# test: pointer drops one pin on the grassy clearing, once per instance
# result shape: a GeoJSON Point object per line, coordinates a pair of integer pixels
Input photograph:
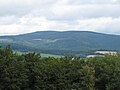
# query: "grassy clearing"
{"type": "Point", "coordinates": [42, 55]}
{"type": "Point", "coordinates": [50, 55]}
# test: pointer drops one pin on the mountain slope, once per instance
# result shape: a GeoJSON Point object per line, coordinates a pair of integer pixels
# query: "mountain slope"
{"type": "Point", "coordinates": [69, 40]}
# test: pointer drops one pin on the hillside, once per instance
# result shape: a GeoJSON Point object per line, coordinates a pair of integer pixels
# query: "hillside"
{"type": "Point", "coordinates": [53, 41]}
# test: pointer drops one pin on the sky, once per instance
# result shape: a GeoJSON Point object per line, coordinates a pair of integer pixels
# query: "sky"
{"type": "Point", "coordinates": [25, 16]}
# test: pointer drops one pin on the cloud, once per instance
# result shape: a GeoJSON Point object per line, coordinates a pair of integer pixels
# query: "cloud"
{"type": "Point", "coordinates": [69, 12]}
{"type": "Point", "coordinates": [93, 1]}
{"type": "Point", "coordinates": [103, 24]}
{"type": "Point", "coordinates": [23, 7]}
{"type": "Point", "coordinates": [6, 20]}
{"type": "Point", "coordinates": [23, 16]}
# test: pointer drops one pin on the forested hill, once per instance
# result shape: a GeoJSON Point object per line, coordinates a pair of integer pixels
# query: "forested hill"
{"type": "Point", "coordinates": [68, 40]}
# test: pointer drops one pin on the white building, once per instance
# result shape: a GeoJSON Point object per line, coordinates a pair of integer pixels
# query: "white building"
{"type": "Point", "coordinates": [92, 56]}
{"type": "Point", "coordinates": [106, 52]}
{"type": "Point", "coordinates": [102, 54]}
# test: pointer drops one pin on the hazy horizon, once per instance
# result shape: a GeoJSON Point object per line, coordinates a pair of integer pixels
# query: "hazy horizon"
{"type": "Point", "coordinates": [26, 16]}
{"type": "Point", "coordinates": [59, 31]}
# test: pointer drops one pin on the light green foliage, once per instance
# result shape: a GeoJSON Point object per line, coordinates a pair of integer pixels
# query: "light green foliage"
{"type": "Point", "coordinates": [88, 77]}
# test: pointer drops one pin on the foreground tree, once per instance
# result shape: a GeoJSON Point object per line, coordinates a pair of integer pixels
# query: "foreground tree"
{"type": "Point", "coordinates": [31, 72]}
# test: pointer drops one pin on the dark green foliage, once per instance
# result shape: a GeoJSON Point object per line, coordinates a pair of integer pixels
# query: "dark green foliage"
{"type": "Point", "coordinates": [107, 72]}
{"type": "Point", "coordinates": [31, 72]}
{"type": "Point", "coordinates": [12, 72]}
{"type": "Point", "coordinates": [31, 57]}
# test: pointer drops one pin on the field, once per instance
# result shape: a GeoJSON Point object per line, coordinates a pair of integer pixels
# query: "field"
{"type": "Point", "coordinates": [42, 54]}
{"type": "Point", "coordinates": [50, 55]}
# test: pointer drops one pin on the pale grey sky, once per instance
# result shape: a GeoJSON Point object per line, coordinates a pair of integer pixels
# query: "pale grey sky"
{"type": "Point", "coordinates": [23, 16]}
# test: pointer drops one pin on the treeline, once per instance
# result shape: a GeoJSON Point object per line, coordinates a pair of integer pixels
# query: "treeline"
{"type": "Point", "coordinates": [24, 48]}
{"type": "Point", "coordinates": [32, 72]}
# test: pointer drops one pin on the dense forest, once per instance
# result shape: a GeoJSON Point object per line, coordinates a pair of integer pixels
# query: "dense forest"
{"type": "Point", "coordinates": [32, 72]}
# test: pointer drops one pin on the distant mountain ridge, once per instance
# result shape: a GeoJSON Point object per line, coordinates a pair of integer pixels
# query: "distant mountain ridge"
{"type": "Point", "coordinates": [67, 40]}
